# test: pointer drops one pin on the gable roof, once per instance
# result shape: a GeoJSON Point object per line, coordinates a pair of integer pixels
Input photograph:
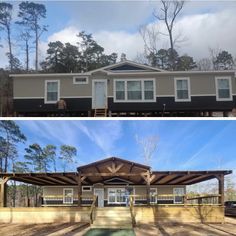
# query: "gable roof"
{"type": "Point", "coordinates": [126, 66]}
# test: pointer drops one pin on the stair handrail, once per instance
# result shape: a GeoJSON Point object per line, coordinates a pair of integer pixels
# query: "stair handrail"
{"type": "Point", "coordinates": [92, 209]}
{"type": "Point", "coordinates": [131, 206]}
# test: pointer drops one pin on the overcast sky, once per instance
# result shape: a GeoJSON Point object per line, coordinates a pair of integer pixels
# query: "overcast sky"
{"type": "Point", "coordinates": [115, 25]}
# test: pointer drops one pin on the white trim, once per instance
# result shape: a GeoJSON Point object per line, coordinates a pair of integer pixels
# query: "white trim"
{"type": "Point", "coordinates": [126, 62]}
{"type": "Point", "coordinates": [142, 90]}
{"type": "Point", "coordinates": [175, 88]}
{"type": "Point", "coordinates": [217, 88]}
{"type": "Point", "coordinates": [76, 96]}
{"type": "Point", "coordinates": [72, 198]}
{"type": "Point", "coordinates": [102, 196]}
{"type": "Point", "coordinates": [45, 91]}
{"type": "Point", "coordinates": [80, 76]}
{"type": "Point", "coordinates": [155, 195]}
{"type": "Point", "coordinates": [203, 95]}
{"type": "Point", "coordinates": [174, 200]}
{"type": "Point", "coordinates": [28, 97]}
{"type": "Point", "coordinates": [108, 202]}
{"type": "Point", "coordinates": [90, 189]}
{"type": "Point", "coordinates": [93, 92]}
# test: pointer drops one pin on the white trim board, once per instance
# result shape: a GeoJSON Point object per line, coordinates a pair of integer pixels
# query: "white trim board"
{"type": "Point", "coordinates": [217, 88]}
{"type": "Point", "coordinates": [45, 91]}
{"type": "Point", "coordinates": [142, 90]}
{"type": "Point", "coordinates": [189, 89]}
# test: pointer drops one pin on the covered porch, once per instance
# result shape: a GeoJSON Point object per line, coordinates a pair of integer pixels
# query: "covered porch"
{"type": "Point", "coordinates": [118, 182]}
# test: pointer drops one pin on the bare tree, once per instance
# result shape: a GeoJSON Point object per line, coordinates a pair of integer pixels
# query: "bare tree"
{"type": "Point", "coordinates": [148, 146]}
{"type": "Point", "coordinates": [150, 35]}
{"type": "Point", "coordinates": [204, 64]}
{"type": "Point", "coordinates": [213, 55]}
{"type": "Point", "coordinates": [169, 13]}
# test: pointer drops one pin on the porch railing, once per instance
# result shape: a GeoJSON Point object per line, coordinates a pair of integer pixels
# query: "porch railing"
{"type": "Point", "coordinates": [160, 199]}
{"type": "Point", "coordinates": [92, 209]}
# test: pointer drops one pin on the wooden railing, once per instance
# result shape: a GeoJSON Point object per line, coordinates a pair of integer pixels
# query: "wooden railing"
{"type": "Point", "coordinates": [212, 199]}
{"type": "Point", "coordinates": [92, 209]}
{"type": "Point", "coordinates": [131, 205]}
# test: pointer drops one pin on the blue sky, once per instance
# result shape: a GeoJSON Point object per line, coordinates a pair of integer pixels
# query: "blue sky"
{"type": "Point", "coordinates": [182, 145]}
{"type": "Point", "coordinates": [115, 25]}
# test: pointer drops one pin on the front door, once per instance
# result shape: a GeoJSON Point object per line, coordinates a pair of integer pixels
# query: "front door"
{"type": "Point", "coordinates": [99, 192]}
{"type": "Point", "coordinates": [99, 94]}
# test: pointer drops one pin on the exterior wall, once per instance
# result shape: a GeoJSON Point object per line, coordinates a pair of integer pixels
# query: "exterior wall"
{"type": "Point", "coordinates": [57, 192]}
{"type": "Point", "coordinates": [187, 214]}
{"type": "Point", "coordinates": [33, 215]}
{"type": "Point", "coordinates": [29, 93]}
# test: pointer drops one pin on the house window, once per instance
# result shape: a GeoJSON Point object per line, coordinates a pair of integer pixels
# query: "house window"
{"type": "Point", "coordinates": [52, 88]}
{"type": "Point", "coordinates": [182, 89]}
{"type": "Point", "coordinates": [86, 188]}
{"type": "Point", "coordinates": [68, 195]}
{"type": "Point", "coordinates": [148, 90]}
{"type": "Point", "coordinates": [120, 90]}
{"type": "Point", "coordinates": [223, 87]}
{"type": "Point", "coordinates": [133, 90]}
{"type": "Point", "coordinates": [178, 195]}
{"type": "Point", "coordinates": [80, 80]}
{"type": "Point", "coordinates": [153, 195]}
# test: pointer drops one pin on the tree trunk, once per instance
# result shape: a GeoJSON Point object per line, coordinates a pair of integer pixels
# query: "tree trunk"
{"type": "Point", "coordinates": [171, 49]}
{"type": "Point", "coordinates": [36, 49]}
{"type": "Point", "coordinates": [10, 47]}
{"type": "Point", "coordinates": [27, 54]}
{"type": "Point", "coordinates": [14, 194]}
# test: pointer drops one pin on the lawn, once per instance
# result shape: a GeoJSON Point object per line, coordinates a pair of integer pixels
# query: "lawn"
{"type": "Point", "coordinates": [110, 232]}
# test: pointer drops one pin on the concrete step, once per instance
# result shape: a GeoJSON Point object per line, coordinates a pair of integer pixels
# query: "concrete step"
{"type": "Point", "coordinates": [108, 220]}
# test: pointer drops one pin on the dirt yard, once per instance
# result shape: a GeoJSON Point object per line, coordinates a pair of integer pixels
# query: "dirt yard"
{"type": "Point", "coordinates": [162, 229]}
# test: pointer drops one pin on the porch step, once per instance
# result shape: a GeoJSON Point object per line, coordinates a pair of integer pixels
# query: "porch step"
{"type": "Point", "coordinates": [100, 112]}
{"type": "Point", "coordinates": [113, 217]}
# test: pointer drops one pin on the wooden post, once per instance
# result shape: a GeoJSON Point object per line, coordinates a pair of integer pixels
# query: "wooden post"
{"type": "Point", "coordinates": [221, 189]}
{"type": "Point", "coordinates": [3, 194]}
{"type": "Point", "coordinates": [79, 189]}
{"type": "Point", "coordinates": [148, 189]}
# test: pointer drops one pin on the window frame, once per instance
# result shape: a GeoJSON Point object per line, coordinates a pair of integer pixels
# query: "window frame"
{"type": "Point", "coordinates": [75, 77]}
{"type": "Point", "coordinates": [174, 197]}
{"type": "Point", "coordinates": [189, 89]}
{"type": "Point", "coordinates": [72, 198]}
{"type": "Point", "coordinates": [90, 189]}
{"type": "Point", "coordinates": [217, 78]}
{"type": "Point", "coordinates": [143, 100]}
{"type": "Point", "coordinates": [46, 92]}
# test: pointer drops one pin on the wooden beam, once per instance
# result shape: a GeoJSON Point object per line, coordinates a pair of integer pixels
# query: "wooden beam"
{"type": "Point", "coordinates": [158, 179]}
{"type": "Point", "coordinates": [56, 180]}
{"type": "Point", "coordinates": [109, 174]}
{"type": "Point", "coordinates": [29, 181]}
{"type": "Point", "coordinates": [67, 179]}
{"type": "Point", "coordinates": [198, 179]}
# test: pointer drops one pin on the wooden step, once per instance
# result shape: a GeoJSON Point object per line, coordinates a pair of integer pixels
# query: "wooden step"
{"type": "Point", "coordinates": [112, 217]}
{"type": "Point", "coordinates": [101, 112]}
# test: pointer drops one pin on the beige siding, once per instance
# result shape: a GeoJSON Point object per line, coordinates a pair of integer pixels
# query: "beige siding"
{"type": "Point", "coordinates": [201, 84]}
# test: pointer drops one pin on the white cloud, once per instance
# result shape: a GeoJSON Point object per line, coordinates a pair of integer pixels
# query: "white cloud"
{"type": "Point", "coordinates": [104, 135]}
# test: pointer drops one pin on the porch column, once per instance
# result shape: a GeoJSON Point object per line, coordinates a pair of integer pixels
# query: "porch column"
{"type": "Point", "coordinates": [3, 196]}
{"type": "Point", "coordinates": [221, 189]}
{"type": "Point", "coordinates": [79, 189]}
{"type": "Point", "coordinates": [148, 182]}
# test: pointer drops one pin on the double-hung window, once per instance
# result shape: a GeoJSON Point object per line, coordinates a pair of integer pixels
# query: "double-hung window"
{"type": "Point", "coordinates": [182, 90]}
{"type": "Point", "coordinates": [68, 195]}
{"type": "Point", "coordinates": [223, 89]}
{"type": "Point", "coordinates": [52, 88]}
{"type": "Point", "coordinates": [134, 90]}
